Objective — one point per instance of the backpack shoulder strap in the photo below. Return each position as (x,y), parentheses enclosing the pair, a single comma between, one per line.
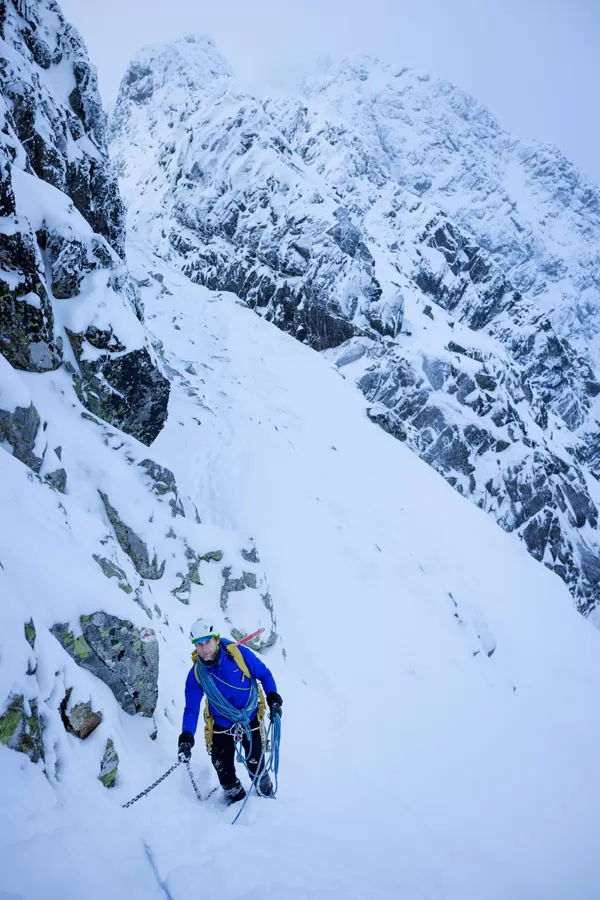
(236,654)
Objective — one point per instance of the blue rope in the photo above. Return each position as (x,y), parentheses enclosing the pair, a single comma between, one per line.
(271,764)
(221,705)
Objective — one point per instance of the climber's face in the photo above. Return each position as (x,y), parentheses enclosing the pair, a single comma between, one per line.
(207,650)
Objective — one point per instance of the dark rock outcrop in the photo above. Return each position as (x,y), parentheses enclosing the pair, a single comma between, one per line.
(79,718)
(120,655)
(132,544)
(126,390)
(109,765)
(63,223)
(21,728)
(19,429)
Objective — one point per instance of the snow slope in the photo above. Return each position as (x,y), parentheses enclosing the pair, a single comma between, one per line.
(440,693)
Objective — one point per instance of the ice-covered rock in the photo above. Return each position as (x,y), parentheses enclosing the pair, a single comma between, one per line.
(387,218)
(62,236)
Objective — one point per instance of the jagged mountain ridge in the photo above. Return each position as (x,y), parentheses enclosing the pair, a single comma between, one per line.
(523,201)
(378,218)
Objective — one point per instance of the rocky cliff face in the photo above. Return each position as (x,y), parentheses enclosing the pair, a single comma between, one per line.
(99,550)
(65,295)
(224,193)
(387,219)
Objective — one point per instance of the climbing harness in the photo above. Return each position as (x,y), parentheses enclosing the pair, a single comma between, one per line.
(162,778)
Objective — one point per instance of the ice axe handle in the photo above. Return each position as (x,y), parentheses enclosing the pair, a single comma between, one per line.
(249,637)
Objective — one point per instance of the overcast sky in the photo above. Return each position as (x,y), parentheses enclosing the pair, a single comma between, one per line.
(534,63)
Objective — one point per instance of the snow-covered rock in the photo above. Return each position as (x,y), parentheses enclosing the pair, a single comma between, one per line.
(221,191)
(387,219)
(388,599)
(65,295)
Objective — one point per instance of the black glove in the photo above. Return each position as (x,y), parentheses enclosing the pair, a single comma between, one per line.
(186,742)
(275,703)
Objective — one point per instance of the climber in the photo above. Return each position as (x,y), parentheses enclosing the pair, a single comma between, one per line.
(232,670)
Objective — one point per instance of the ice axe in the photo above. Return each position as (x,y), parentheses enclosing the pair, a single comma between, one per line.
(249,637)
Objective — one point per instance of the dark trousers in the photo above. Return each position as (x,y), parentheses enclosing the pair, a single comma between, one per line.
(223,754)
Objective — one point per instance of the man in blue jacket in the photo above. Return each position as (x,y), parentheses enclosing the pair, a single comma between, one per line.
(228,677)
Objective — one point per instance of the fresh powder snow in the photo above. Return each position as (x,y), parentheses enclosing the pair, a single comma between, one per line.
(440,692)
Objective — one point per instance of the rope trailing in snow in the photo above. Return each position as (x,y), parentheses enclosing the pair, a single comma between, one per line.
(196,791)
(152,786)
(162,778)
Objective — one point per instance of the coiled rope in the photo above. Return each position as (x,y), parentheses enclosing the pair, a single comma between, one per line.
(271,762)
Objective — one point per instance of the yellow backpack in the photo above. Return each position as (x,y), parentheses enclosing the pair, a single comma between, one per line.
(209,722)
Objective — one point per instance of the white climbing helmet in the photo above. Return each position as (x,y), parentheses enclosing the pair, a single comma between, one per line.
(201,630)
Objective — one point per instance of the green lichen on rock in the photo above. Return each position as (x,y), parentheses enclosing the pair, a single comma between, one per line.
(231,584)
(234,585)
(30,633)
(249,579)
(11,720)
(212,556)
(133,545)
(255,644)
(26,316)
(22,732)
(109,765)
(81,648)
(251,555)
(111,570)
(125,389)
(123,657)
(162,482)
(184,589)
(63,635)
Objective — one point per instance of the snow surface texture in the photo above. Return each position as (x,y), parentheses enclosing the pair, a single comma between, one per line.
(450,269)
(440,692)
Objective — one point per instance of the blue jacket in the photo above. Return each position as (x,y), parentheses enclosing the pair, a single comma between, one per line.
(228,678)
